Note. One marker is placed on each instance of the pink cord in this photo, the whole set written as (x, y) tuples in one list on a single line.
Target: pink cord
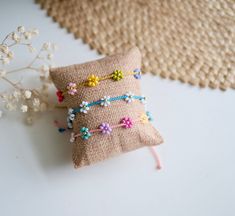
[(156, 157), (99, 130), (116, 126)]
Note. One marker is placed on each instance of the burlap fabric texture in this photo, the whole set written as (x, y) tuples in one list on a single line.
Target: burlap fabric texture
[(191, 41), (100, 147)]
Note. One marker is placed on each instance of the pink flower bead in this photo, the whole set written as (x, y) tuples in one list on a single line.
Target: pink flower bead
[(72, 88), (127, 122)]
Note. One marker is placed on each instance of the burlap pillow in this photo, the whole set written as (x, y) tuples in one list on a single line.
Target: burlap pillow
[(102, 146)]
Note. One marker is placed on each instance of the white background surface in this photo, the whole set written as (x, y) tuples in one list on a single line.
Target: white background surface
[(37, 177)]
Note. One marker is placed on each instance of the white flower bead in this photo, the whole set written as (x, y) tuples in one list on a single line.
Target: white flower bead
[(70, 111), (72, 138), (129, 97), (105, 101), (72, 116), (69, 124), (84, 107)]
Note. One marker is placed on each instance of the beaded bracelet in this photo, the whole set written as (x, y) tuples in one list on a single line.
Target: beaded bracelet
[(104, 102), (93, 80), (106, 129)]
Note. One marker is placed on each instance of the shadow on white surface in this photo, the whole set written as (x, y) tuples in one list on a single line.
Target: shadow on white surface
[(51, 148)]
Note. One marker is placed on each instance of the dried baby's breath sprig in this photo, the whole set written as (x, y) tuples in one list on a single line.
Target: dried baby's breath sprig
[(21, 98)]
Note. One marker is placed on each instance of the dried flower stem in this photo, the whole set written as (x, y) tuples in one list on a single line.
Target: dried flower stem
[(28, 100), (17, 70), (4, 40), (29, 66), (11, 83)]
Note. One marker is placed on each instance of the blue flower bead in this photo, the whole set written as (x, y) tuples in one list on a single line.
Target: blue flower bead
[(85, 133), (137, 74), (150, 117)]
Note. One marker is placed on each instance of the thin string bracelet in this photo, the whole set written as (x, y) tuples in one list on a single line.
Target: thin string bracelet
[(106, 129), (62, 128), (93, 80), (104, 102)]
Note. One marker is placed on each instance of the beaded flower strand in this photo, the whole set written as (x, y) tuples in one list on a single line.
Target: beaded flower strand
[(105, 128), (93, 80), (104, 102)]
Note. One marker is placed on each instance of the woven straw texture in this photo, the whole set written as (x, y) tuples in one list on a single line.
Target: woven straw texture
[(100, 147), (191, 41)]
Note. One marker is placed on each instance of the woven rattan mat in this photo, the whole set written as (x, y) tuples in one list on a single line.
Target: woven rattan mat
[(191, 41)]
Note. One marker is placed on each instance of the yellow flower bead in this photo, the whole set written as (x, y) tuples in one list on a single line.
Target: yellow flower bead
[(93, 80), (117, 75), (144, 118)]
